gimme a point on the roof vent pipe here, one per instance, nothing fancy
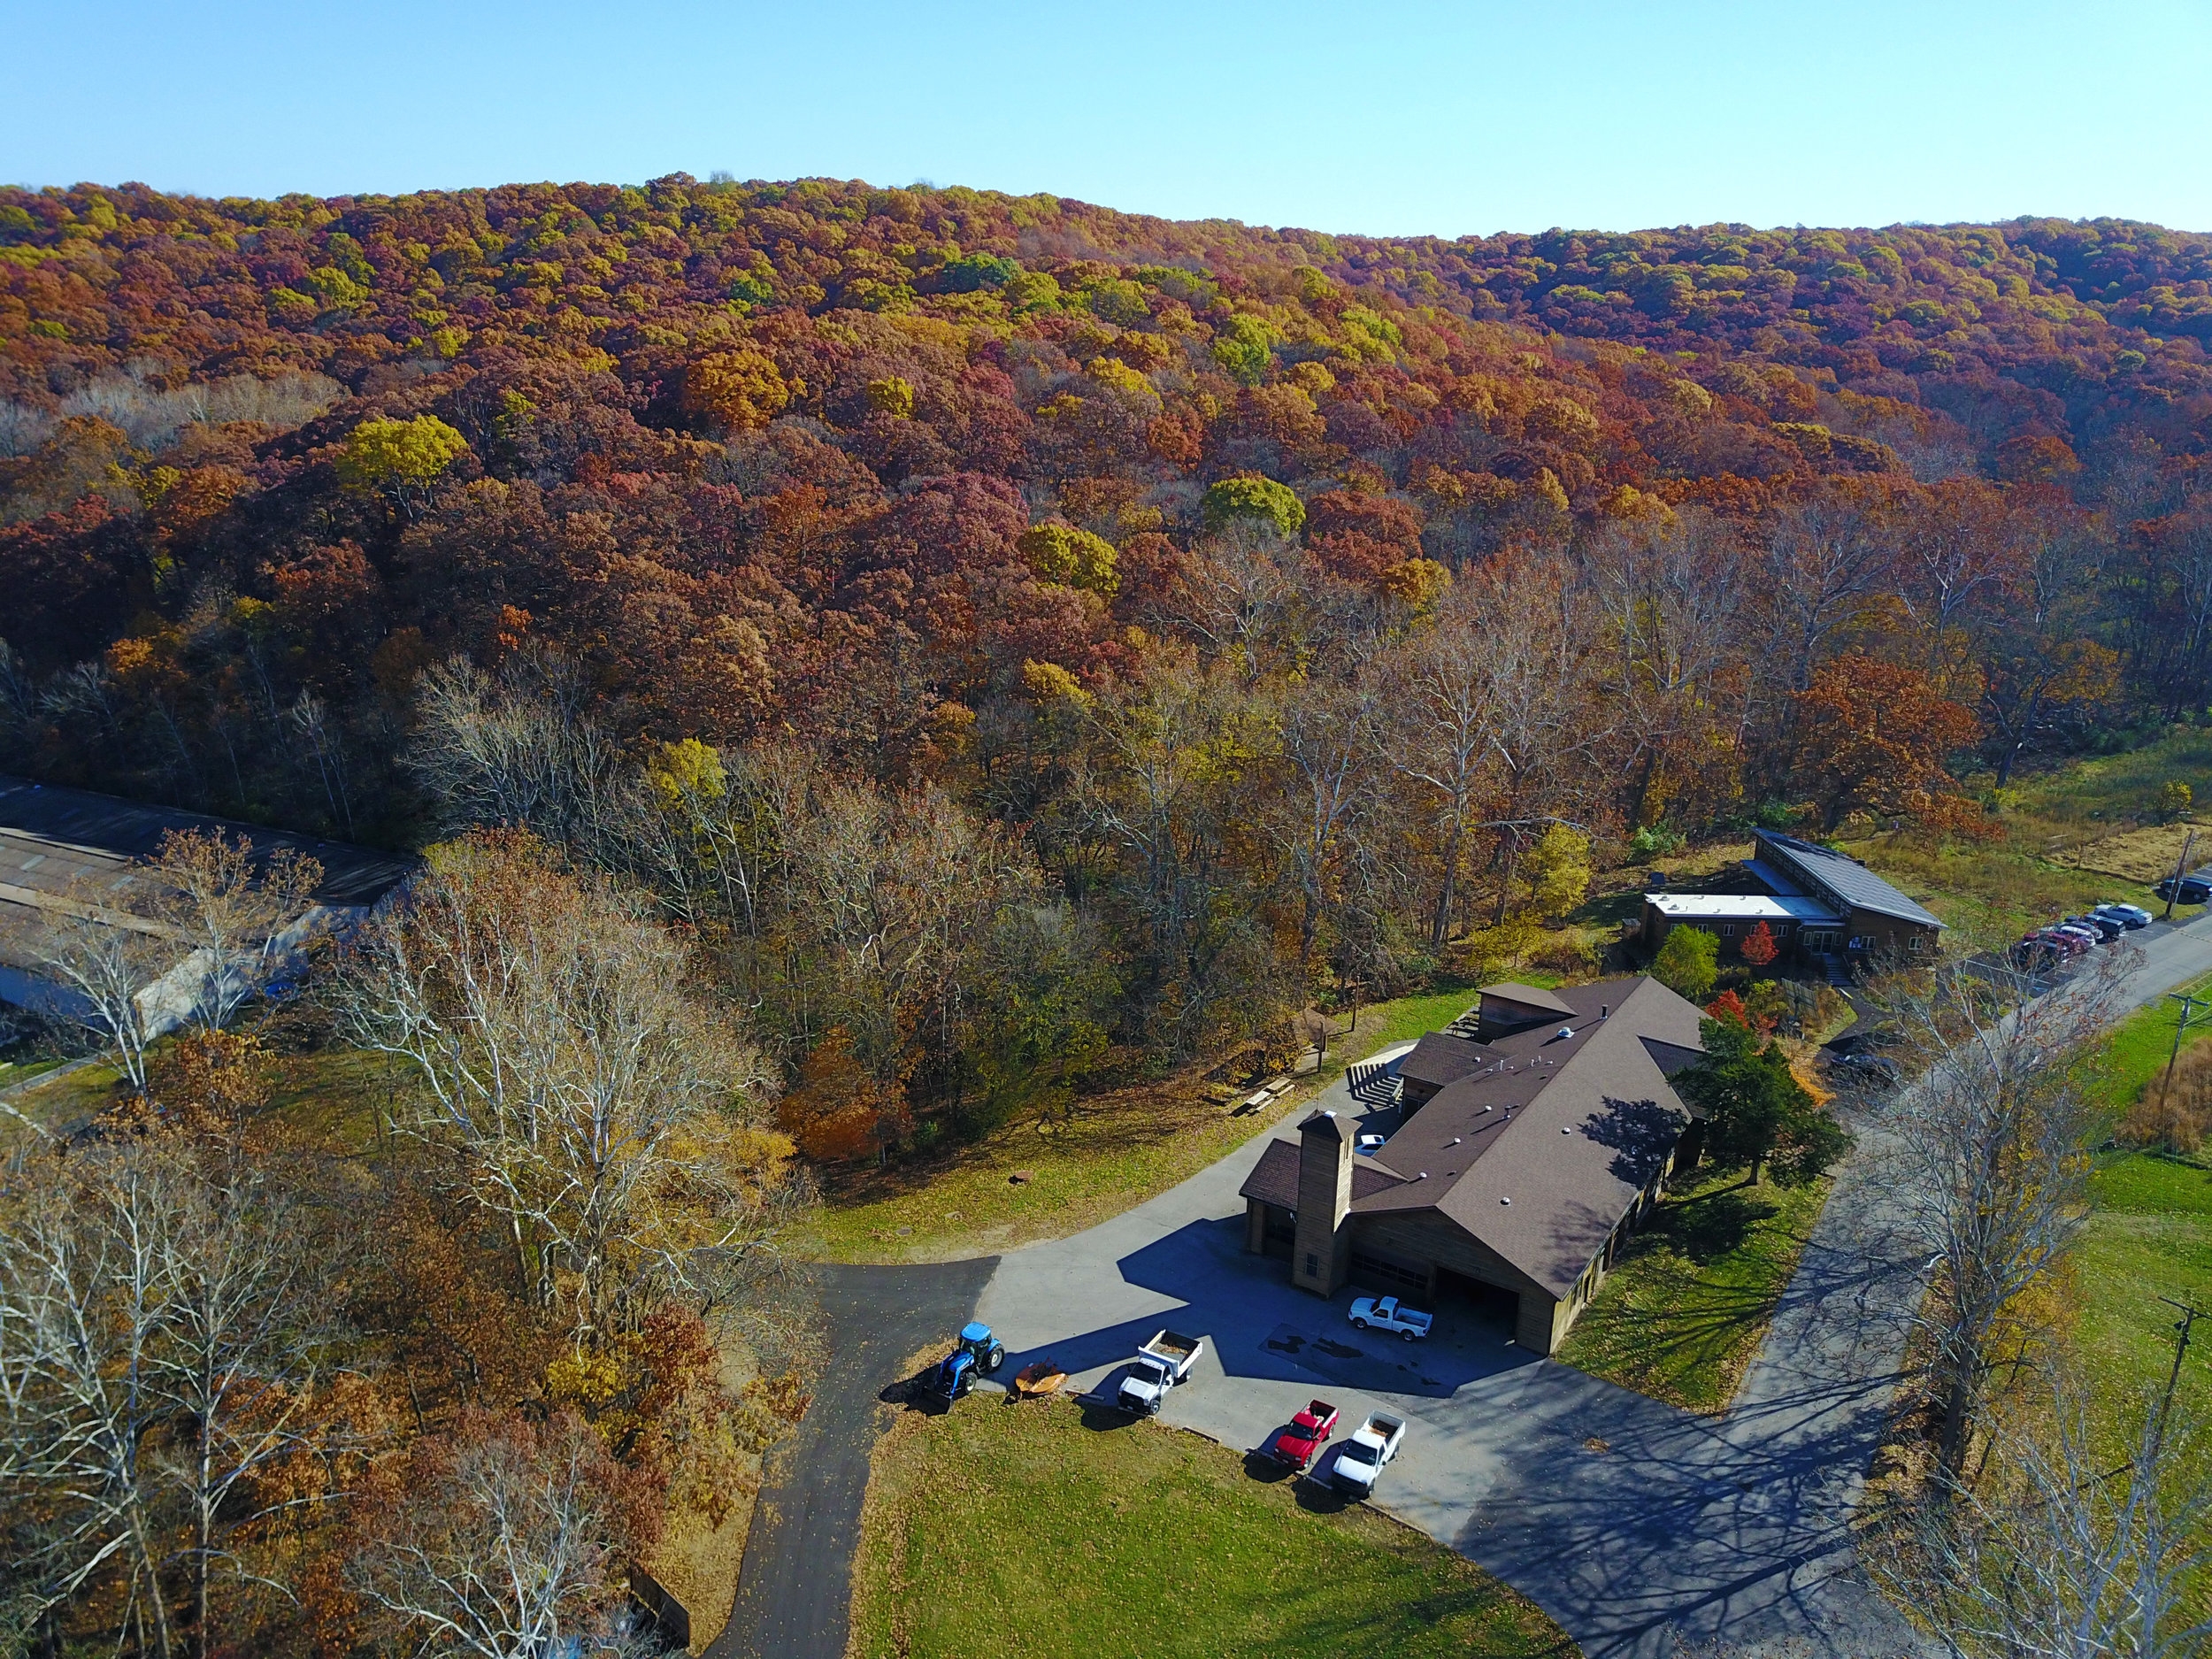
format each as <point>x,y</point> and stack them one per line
<point>1605,1009</point>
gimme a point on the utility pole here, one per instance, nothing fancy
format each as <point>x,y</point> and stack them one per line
<point>2181,863</point>
<point>2189,1316</point>
<point>2188,1012</point>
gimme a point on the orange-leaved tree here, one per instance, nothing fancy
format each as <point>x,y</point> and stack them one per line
<point>1759,949</point>
<point>1875,736</point>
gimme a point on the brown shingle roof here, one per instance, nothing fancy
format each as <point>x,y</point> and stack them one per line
<point>1572,1129</point>
<point>1528,996</point>
<point>1441,1058</point>
<point>1274,1178</point>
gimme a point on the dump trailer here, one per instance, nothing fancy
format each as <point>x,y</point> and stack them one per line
<point>1159,1365</point>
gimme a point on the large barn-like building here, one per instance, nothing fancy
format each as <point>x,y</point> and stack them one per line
<point>1526,1149</point>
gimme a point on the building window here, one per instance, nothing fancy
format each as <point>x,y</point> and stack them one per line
<point>1916,942</point>
<point>1313,1265</point>
<point>1728,930</point>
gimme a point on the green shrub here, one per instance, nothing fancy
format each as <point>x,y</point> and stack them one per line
<point>1688,963</point>
<point>1651,840</point>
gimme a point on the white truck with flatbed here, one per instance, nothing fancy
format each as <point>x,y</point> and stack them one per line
<point>1158,1366</point>
<point>1360,1459</point>
<point>1370,1313</point>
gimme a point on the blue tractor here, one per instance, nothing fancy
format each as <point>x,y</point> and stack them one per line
<point>977,1351</point>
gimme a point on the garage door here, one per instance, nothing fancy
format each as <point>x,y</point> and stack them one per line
<point>1388,1275</point>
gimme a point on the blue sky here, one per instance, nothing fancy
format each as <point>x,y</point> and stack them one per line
<point>1383,119</point>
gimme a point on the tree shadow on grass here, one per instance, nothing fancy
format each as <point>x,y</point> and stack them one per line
<point>1103,1133</point>
<point>1692,1326</point>
<point>1669,1325</point>
<point>1709,1226</point>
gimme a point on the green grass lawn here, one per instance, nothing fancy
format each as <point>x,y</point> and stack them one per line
<point>13,1072</point>
<point>2114,786</point>
<point>1682,1312</point>
<point>1109,1156</point>
<point>1018,1529</point>
<point>2148,1235</point>
<point>1992,891</point>
<point>62,1103</point>
<point>2138,1048</point>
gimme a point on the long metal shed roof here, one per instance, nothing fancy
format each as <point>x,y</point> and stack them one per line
<point>1849,881</point>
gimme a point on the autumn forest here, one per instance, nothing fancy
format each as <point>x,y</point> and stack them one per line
<point>1230,612</point>
<point>1012,647</point>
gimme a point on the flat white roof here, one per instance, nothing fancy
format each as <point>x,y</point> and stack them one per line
<point>1751,906</point>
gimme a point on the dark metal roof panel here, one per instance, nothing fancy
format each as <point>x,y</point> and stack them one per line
<point>1844,877</point>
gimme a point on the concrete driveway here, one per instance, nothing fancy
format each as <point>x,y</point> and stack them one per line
<point>1628,1520</point>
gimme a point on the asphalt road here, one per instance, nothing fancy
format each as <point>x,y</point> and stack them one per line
<point>1629,1521</point>
<point>794,1588</point>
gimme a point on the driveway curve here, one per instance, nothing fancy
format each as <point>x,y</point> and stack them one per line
<point>795,1587</point>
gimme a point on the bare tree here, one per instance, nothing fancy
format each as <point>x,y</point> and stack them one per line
<point>236,1267</point>
<point>157,1343</point>
<point>227,907</point>
<point>561,1056</point>
<point>1670,595</point>
<point>1488,720</point>
<point>1827,558</point>
<point>2057,1551</point>
<point>108,956</point>
<point>309,716</point>
<point>710,834</point>
<point>1241,584</point>
<point>1990,1145</point>
<point>1328,735</point>
<point>515,749</point>
<point>502,1541</point>
<point>1163,788</point>
<point>79,1314</point>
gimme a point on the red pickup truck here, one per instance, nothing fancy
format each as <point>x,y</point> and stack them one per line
<point>1308,1434</point>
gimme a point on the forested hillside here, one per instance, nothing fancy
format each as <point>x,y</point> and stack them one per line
<point>1010,633</point>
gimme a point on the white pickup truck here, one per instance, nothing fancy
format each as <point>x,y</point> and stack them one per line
<point>1360,1459</point>
<point>1158,1366</point>
<point>1368,1314</point>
